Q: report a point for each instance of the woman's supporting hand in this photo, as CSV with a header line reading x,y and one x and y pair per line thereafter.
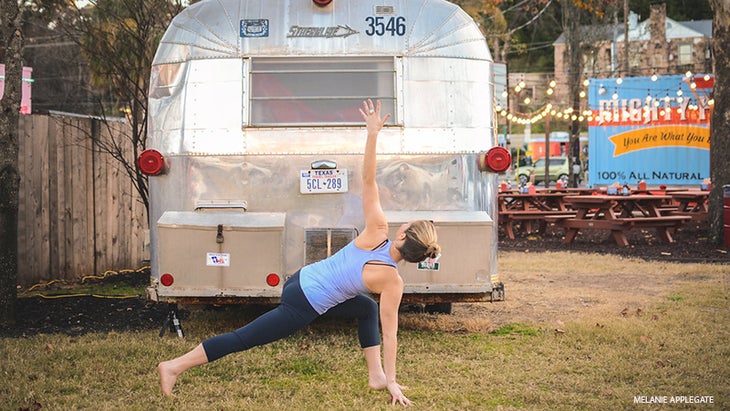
x,y
396,394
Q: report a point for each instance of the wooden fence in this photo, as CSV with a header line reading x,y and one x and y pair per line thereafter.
x,y
79,213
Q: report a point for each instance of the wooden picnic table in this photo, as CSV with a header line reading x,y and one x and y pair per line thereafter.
x,y
620,213
692,203
571,190
532,210
544,201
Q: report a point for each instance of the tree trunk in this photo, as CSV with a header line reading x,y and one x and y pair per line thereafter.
x,y
720,126
11,37
573,62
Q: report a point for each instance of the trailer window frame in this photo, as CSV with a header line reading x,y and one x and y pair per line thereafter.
x,y
305,91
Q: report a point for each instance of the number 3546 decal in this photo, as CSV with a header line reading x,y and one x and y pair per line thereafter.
x,y
380,26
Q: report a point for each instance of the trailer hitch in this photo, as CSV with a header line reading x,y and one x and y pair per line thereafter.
x,y
219,236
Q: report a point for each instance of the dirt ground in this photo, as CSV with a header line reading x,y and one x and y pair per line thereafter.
x,y
543,294
561,291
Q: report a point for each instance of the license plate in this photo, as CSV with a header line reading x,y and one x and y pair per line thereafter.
x,y
323,181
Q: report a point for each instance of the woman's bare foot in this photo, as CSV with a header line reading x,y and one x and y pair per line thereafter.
x,y
377,382
167,377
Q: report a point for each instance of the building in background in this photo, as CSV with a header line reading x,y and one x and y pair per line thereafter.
x,y
657,46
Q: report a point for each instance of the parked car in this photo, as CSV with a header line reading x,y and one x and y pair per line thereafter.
x,y
559,170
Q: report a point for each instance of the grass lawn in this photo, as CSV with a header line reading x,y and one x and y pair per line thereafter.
x,y
675,349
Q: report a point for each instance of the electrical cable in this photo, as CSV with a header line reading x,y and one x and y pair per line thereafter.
x,y
105,274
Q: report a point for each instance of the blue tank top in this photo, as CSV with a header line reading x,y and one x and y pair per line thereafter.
x,y
338,278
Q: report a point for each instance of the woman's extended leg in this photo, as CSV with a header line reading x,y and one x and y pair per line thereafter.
x,y
169,370
292,314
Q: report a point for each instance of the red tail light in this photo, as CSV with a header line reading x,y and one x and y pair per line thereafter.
x,y
322,3
151,162
497,160
273,279
167,279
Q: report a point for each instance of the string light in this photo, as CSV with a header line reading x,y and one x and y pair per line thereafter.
x,y
570,113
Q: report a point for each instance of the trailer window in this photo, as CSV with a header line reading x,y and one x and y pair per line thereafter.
x,y
165,79
318,91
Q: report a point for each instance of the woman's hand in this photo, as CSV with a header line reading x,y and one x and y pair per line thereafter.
x,y
396,394
371,114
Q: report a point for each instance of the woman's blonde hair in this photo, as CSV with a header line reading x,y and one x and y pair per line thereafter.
x,y
421,242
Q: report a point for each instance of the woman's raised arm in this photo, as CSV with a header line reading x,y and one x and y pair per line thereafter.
x,y
375,222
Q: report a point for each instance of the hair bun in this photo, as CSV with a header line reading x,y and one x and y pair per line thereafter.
x,y
433,250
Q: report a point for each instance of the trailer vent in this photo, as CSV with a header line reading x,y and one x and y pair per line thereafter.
x,y
321,243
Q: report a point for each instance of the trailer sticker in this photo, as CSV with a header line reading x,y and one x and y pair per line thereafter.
x,y
218,260
380,26
327,32
323,181
255,28
426,266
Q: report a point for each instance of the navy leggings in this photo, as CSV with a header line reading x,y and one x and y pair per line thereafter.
x,y
291,315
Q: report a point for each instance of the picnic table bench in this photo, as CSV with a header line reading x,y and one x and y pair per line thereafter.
x,y
620,213
530,218
533,211
691,203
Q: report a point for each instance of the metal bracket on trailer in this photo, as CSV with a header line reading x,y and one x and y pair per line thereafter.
x,y
173,323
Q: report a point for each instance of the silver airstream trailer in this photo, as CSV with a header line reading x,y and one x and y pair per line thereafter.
x,y
255,144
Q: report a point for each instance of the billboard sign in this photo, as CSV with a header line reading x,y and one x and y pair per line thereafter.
x,y
655,129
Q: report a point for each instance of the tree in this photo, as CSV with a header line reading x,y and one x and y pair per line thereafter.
x,y
512,30
119,39
720,122
583,25
11,37
60,72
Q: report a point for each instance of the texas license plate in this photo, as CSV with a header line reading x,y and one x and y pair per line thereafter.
x,y
323,181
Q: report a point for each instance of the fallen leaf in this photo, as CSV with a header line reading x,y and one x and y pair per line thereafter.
x,y
35,407
49,347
